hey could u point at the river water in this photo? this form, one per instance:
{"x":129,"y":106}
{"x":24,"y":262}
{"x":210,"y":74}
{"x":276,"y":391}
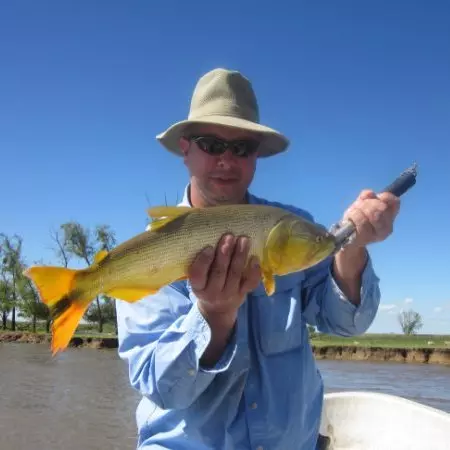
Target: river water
{"x":82,"y":399}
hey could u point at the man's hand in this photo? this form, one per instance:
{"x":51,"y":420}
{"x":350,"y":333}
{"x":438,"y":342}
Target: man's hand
{"x":373,"y":216}
{"x":220,"y":279}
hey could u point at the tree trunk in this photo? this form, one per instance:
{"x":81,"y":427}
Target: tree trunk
{"x":100,"y":316}
{"x":4,"y":319}
{"x":115,"y":319}
{"x":34,"y":323}
{"x":47,"y":325}
{"x":13,"y":319}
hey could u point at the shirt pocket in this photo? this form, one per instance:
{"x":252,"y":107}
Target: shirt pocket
{"x":280,"y":325}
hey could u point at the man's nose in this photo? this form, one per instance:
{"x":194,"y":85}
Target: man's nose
{"x":227,"y":158}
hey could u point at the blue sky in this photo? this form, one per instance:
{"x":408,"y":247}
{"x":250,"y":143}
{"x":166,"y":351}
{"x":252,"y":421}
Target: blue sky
{"x":362,"y":89}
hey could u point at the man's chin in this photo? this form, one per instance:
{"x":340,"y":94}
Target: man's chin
{"x":227,"y":195}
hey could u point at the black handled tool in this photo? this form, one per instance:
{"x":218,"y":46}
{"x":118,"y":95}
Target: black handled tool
{"x":343,"y":233}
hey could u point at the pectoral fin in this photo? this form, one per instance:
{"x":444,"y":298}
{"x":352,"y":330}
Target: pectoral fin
{"x":268,"y":281}
{"x":275,"y":244}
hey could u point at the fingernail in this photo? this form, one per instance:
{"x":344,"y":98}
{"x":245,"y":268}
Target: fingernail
{"x":243,"y":244}
{"x":229,"y":243}
{"x":228,"y":239}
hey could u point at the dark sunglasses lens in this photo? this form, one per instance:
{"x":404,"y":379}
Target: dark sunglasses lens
{"x":215,"y":146}
{"x":244,"y":148}
{"x":211,"y":145}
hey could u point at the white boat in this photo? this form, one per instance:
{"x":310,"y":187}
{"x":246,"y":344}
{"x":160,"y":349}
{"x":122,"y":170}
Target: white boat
{"x":375,"y":421}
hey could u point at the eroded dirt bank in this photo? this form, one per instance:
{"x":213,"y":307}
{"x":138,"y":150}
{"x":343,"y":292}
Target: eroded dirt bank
{"x":76,"y":341}
{"x":333,"y":352}
{"x":357,"y":353}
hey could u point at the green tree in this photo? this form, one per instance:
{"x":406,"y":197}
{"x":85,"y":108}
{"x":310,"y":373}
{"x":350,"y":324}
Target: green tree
{"x":311,"y":331}
{"x":12,"y":268}
{"x":59,"y":247}
{"x":82,"y":243}
{"x":410,"y":321}
{"x":106,"y":239}
{"x":6,"y":300}
{"x":108,"y":312}
{"x":30,"y":305}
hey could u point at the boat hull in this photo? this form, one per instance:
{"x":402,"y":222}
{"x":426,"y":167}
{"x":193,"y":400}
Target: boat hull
{"x":369,"y":421}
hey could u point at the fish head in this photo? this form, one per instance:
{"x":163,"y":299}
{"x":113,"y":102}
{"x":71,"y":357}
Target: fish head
{"x":298,"y":244}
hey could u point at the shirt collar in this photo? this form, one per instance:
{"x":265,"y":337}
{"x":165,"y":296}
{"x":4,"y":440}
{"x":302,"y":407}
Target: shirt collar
{"x":187,"y":196}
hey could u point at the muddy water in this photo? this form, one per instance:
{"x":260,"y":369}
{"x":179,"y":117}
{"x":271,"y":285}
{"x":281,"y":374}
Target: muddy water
{"x":82,"y":399}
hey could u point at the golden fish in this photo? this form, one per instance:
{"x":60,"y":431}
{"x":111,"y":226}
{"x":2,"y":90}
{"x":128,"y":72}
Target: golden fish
{"x":282,"y":241}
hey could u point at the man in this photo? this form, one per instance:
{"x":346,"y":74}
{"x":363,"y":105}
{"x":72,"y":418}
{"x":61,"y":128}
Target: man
{"x":219,"y":364}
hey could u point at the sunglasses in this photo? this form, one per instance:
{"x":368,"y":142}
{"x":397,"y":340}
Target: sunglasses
{"x":212,"y":145}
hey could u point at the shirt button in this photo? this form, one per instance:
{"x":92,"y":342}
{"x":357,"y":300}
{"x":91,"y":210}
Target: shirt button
{"x":254,"y":405}
{"x":191,"y":372}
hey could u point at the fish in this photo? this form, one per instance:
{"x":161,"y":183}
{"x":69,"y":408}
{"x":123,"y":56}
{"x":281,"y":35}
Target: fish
{"x":282,"y":241}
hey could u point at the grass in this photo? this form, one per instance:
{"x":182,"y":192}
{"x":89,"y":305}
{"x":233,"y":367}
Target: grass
{"x":389,"y":340}
{"x":385,"y":341}
{"x":83,"y":330}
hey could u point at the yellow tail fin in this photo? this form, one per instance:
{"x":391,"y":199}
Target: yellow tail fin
{"x":65,"y":324}
{"x":56,"y":286}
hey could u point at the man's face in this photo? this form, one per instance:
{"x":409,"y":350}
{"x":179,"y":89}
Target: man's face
{"x":219,"y":179}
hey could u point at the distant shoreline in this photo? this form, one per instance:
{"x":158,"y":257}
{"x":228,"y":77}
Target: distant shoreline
{"x":329,"y":351}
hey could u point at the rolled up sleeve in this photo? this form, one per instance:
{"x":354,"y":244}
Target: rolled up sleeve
{"x":328,"y":308}
{"x":162,"y":338}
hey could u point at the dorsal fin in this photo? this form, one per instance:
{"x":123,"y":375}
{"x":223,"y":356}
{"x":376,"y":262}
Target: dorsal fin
{"x":162,"y":215}
{"x":100,"y":256}
{"x":158,"y":212}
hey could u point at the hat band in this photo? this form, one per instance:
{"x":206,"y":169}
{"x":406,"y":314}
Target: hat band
{"x":228,"y":109}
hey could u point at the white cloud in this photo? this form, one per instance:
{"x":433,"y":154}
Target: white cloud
{"x":388,"y":307}
{"x":443,"y":309}
{"x":395,"y":308}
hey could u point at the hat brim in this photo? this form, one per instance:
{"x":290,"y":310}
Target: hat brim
{"x":272,"y":141}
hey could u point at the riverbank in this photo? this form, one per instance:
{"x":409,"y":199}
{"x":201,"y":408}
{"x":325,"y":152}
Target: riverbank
{"x":379,"y":354}
{"x":44,"y":338}
{"x":330,"y":348}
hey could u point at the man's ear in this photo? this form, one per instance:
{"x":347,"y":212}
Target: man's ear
{"x":184,"y":145}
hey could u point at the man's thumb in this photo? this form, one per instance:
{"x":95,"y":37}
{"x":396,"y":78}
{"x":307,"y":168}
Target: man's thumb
{"x":366,"y":194}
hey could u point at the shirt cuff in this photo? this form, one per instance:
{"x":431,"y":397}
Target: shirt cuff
{"x":199,"y":332}
{"x":364,"y":313}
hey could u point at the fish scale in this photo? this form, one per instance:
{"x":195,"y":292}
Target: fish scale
{"x":173,"y":247}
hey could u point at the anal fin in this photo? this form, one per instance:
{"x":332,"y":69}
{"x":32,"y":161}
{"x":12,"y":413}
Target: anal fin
{"x":131,"y":294}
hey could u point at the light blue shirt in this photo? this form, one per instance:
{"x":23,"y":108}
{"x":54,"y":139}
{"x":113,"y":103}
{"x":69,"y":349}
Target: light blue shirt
{"x":265,"y":393}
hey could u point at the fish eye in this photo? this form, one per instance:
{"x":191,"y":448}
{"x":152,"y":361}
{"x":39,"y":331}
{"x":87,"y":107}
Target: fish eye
{"x":319,"y":239}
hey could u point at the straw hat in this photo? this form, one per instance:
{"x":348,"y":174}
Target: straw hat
{"x":225,"y":97}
